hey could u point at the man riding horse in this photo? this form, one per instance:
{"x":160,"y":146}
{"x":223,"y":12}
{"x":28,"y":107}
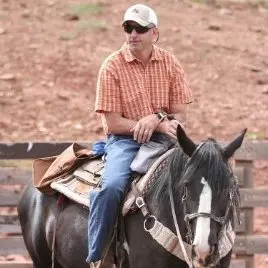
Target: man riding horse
{"x":141,"y":95}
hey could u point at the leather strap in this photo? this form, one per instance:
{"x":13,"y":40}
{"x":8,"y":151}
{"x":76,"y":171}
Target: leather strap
{"x":139,"y":200}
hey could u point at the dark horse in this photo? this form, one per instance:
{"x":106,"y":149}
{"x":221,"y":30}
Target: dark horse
{"x":196,"y":190}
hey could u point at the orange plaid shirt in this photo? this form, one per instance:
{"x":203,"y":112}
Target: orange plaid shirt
{"x":128,"y":87}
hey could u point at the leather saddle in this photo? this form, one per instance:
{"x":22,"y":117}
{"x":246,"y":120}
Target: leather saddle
{"x":87,"y":177}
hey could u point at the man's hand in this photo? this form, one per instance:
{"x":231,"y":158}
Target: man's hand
{"x":144,"y":128}
{"x":169,"y":128}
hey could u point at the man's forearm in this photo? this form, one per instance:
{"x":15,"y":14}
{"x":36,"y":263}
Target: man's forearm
{"x":116,"y":124}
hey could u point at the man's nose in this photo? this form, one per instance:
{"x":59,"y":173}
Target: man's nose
{"x":134,"y":33}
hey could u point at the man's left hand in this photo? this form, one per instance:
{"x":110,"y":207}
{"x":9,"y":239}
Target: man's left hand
{"x":145,"y":127}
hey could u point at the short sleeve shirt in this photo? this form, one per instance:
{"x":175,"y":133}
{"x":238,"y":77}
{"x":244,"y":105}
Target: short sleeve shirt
{"x":126,"y":86}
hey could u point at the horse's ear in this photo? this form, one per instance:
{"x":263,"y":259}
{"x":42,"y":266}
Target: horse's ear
{"x":187,"y":145}
{"x":230,"y":149}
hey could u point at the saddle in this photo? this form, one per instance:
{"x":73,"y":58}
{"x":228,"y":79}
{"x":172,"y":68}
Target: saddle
{"x":76,"y":185}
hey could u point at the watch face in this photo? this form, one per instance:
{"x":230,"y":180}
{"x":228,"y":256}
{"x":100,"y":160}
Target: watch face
{"x":160,"y":115}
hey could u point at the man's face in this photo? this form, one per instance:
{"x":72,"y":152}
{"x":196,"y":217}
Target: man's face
{"x":139,"y":38}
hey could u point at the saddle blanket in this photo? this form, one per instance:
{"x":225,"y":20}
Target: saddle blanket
{"x":87,"y":177}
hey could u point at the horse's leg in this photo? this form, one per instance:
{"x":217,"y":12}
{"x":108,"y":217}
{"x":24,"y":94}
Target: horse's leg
{"x":33,"y":208}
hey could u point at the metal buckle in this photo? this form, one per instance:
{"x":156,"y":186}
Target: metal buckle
{"x":150,"y":217}
{"x":140,"y":202}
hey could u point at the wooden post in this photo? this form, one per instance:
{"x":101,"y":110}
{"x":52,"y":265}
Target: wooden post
{"x":249,"y":212}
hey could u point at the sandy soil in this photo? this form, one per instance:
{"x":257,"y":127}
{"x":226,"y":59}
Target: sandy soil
{"x":51,"y":51}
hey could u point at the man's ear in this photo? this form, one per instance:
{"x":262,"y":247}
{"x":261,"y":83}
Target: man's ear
{"x":155,"y":33}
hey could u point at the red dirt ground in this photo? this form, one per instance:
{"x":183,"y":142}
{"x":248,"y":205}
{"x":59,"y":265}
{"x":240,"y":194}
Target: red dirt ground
{"x":50,"y":60}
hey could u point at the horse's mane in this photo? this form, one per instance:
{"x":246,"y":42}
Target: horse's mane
{"x":181,"y":169}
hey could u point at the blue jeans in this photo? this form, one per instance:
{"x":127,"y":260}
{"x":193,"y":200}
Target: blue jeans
{"x":104,"y":204}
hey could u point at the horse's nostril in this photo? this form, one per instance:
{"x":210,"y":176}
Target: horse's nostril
{"x":201,"y":261}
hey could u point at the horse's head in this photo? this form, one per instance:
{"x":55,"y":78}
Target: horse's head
{"x":210,"y":195}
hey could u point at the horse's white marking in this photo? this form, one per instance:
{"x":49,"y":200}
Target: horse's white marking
{"x":203,"y":223}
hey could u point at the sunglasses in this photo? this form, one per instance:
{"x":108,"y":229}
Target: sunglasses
{"x":128,"y":28}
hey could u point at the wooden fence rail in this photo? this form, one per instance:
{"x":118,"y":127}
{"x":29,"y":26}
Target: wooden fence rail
{"x":11,"y":242}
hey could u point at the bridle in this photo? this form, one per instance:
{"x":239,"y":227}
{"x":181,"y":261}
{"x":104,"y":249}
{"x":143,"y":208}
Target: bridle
{"x":174,"y":243}
{"x":233,"y":203}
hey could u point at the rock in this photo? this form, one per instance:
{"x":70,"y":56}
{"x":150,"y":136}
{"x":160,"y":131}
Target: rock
{"x":214,"y":27}
{"x":26,"y":13}
{"x":8,"y":77}
{"x":34,"y":46}
{"x":66,"y":123}
{"x":41,"y":126}
{"x":51,"y":3}
{"x":50,"y":84}
{"x":78,"y":126}
{"x":70,"y":16}
{"x":224,"y":11}
{"x":175,"y":29}
{"x":40,"y":103}
{"x":63,"y":95}
{"x":2,"y":31}
{"x":23,"y":5}
{"x":265,"y":91}
{"x":262,"y":82}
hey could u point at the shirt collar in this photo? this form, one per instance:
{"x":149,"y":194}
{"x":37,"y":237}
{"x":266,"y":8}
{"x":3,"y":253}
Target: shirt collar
{"x":129,"y":57}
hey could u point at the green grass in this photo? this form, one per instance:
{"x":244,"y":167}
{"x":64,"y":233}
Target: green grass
{"x":68,"y":35}
{"x":258,"y":3}
{"x":86,"y":9}
{"x":263,"y":3}
{"x":92,"y":24}
{"x":200,"y":1}
{"x":87,"y":13}
{"x":82,"y":26}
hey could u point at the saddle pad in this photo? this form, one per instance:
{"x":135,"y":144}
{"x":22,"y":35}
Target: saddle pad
{"x":77,"y":188}
{"x":73,"y":188}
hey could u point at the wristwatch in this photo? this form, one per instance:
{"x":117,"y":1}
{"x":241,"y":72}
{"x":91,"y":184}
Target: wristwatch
{"x":161,"y":116}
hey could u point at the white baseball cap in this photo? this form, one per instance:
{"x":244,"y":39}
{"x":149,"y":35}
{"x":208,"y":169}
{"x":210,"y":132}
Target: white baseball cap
{"x":141,"y":14}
